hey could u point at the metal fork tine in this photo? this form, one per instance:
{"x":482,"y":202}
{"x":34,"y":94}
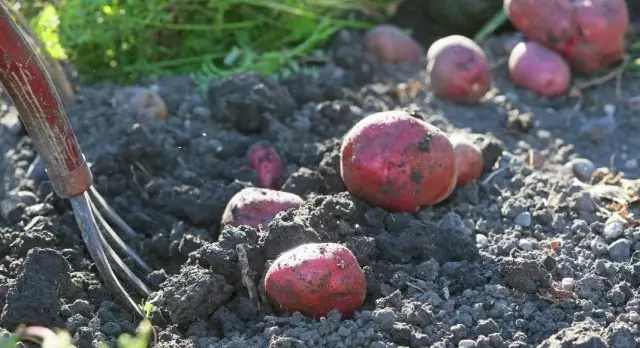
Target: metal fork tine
{"x":91,"y":237}
{"x":111,"y":215}
{"x":113,"y":236}
{"x":123,"y":270}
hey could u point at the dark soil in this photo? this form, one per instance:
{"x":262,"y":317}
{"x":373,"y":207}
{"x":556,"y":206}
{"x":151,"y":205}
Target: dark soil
{"x":477,"y":270}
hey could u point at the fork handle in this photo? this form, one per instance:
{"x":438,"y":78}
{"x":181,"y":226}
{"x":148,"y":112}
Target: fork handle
{"x":26,"y":81}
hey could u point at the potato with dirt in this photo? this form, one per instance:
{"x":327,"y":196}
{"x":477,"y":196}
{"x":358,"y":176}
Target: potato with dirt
{"x":256,"y":207}
{"x":469,"y":161}
{"x":390,"y":44}
{"x":539,"y":69}
{"x":458,"y":69}
{"x":266,"y":161}
{"x":397,"y":162}
{"x":589,"y":34}
{"x":316,"y":278}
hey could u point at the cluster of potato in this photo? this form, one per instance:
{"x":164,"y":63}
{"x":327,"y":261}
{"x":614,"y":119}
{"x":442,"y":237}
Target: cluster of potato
{"x":562,"y":36}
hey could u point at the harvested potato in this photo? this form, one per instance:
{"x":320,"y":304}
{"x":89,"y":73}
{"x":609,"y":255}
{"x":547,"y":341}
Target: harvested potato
{"x":539,"y":69}
{"x":469,"y":160}
{"x":589,"y":34}
{"x":316,"y":278}
{"x":457,"y":69}
{"x":390,"y":44}
{"x":256,"y":207}
{"x":267,"y":163}
{"x":398,"y":162}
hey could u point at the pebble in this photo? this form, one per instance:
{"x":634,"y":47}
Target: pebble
{"x":613,"y":230}
{"x":613,"y":227}
{"x":523,"y":219}
{"x":620,"y":250}
{"x":568,"y":284}
{"x":201,"y":111}
{"x":582,"y":168}
{"x":631,"y":164}
{"x":526,"y":244}
{"x":481,"y":240}
{"x":11,"y":121}
{"x":466,"y":344}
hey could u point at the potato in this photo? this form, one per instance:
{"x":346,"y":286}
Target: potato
{"x":468,"y":160}
{"x":390,"y":44}
{"x":397,"y":162}
{"x":143,"y":101}
{"x":589,"y":34}
{"x":539,"y":69}
{"x":316,"y":278}
{"x":457,"y":69}
{"x":256,"y":207}
{"x":266,"y":162}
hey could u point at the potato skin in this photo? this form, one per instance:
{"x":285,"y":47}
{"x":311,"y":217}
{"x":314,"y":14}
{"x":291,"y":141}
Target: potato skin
{"x":266,"y":161}
{"x":390,"y":44}
{"x":316,"y":278}
{"x":256,"y":207}
{"x":397,"y":162}
{"x":539,"y":69}
{"x":588,"y":34}
{"x":468,"y":160}
{"x":457,"y":69}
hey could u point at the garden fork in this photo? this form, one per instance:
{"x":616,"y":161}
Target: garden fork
{"x":24,"y":78}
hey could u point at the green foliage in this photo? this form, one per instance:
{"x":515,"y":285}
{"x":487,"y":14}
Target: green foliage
{"x":9,"y":341}
{"x":124,"y":40}
{"x":45,"y":25}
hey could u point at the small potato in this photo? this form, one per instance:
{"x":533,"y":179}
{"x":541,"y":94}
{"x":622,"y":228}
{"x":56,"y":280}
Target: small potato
{"x":539,"y":69}
{"x":468,"y":160}
{"x":143,"y":101}
{"x":390,"y":44}
{"x":589,"y":34}
{"x":256,"y":207}
{"x":397,"y":162}
{"x":457,"y":69}
{"x":315,"y":279}
{"x":267,"y":163}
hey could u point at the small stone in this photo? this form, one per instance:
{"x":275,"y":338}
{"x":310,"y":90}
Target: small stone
{"x":525,"y":244}
{"x":620,"y":250}
{"x":481,"y":240}
{"x":582,"y":168}
{"x":201,"y":111}
{"x":523,"y":219}
{"x":568,"y":284}
{"x":631,"y":164}
{"x":612,"y":230}
{"x":11,"y":121}
{"x":467,"y":344}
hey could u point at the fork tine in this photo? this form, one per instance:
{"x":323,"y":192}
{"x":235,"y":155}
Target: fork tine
{"x":91,"y":237}
{"x":123,"y":270}
{"x":111,"y":215}
{"x":113,"y":236}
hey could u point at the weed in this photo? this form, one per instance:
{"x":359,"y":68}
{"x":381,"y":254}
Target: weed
{"x":124,"y":40}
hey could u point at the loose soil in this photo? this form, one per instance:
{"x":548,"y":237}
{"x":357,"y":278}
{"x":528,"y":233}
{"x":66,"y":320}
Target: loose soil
{"x":477,"y":270}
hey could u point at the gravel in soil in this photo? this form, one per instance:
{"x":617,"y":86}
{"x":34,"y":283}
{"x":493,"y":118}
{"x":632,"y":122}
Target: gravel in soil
{"x":525,"y":257}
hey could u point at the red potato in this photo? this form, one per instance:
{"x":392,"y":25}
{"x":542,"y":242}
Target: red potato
{"x":267,"y":163}
{"x":589,"y":34}
{"x":397,"y":162}
{"x":457,"y":69}
{"x":390,"y":44}
{"x":256,"y":207}
{"x":468,"y":160}
{"x":315,"y":279}
{"x":539,"y":69}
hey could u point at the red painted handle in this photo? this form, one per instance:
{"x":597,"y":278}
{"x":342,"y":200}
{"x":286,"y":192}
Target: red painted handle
{"x":23,"y":76}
